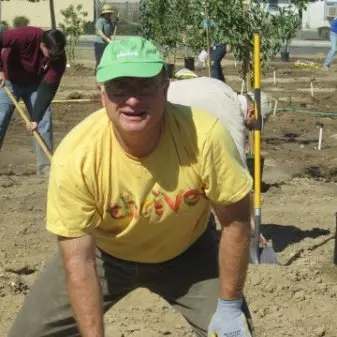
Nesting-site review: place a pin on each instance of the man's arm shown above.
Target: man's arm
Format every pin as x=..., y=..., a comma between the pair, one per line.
x=83, y=284
x=100, y=33
x=48, y=88
x=234, y=247
x=45, y=94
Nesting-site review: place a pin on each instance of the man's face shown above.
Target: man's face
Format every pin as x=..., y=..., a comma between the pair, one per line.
x=108, y=16
x=135, y=105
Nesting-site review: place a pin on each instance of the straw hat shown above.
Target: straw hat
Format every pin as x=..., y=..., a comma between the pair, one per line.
x=107, y=9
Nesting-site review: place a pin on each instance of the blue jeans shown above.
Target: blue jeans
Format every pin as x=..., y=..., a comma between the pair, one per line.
x=99, y=50
x=331, y=54
x=217, y=54
x=28, y=95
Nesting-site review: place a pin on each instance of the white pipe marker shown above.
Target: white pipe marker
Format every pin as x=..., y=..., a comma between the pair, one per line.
x=320, y=136
x=242, y=87
x=274, y=75
x=275, y=106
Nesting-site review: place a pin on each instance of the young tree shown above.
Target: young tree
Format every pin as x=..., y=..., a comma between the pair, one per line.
x=52, y=14
x=231, y=23
x=73, y=26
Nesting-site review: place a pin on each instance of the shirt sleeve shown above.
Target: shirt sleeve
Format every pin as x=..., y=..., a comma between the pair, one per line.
x=99, y=24
x=224, y=176
x=45, y=94
x=71, y=209
x=55, y=71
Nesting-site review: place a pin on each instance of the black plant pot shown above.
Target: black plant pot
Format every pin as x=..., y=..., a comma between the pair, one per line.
x=285, y=56
x=189, y=63
x=250, y=159
x=170, y=70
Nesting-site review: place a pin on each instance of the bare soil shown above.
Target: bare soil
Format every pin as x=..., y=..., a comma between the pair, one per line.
x=295, y=298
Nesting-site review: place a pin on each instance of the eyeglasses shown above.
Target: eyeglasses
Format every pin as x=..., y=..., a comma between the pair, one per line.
x=141, y=89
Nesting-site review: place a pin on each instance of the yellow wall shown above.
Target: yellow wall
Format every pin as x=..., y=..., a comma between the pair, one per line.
x=38, y=13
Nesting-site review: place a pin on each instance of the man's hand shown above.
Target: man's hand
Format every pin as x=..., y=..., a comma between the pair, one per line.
x=2, y=78
x=31, y=127
x=229, y=320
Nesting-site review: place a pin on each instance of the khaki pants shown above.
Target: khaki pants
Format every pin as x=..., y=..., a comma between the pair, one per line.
x=189, y=283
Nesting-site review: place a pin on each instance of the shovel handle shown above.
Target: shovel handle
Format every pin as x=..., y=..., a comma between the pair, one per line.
x=115, y=28
x=27, y=121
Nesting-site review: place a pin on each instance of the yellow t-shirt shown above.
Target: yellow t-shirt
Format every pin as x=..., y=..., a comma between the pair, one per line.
x=148, y=210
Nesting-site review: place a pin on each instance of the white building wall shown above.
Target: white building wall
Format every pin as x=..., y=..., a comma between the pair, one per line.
x=39, y=13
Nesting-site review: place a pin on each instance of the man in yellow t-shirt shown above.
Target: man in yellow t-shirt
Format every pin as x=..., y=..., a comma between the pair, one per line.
x=130, y=193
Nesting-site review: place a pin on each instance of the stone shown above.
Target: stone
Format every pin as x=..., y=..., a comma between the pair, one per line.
x=319, y=332
x=299, y=295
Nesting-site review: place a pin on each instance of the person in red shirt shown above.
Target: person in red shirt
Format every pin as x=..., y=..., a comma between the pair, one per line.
x=32, y=64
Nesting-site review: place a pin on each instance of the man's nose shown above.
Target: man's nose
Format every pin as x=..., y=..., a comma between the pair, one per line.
x=132, y=100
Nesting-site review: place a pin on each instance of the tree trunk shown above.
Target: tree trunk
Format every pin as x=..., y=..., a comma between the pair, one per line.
x=96, y=10
x=52, y=14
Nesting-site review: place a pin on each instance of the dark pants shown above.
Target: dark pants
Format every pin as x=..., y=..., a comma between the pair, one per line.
x=99, y=50
x=189, y=283
x=217, y=54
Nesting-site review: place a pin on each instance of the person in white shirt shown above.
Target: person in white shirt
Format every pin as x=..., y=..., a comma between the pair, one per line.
x=235, y=111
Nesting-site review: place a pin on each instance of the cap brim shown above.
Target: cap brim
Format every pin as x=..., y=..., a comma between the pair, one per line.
x=110, y=72
x=106, y=12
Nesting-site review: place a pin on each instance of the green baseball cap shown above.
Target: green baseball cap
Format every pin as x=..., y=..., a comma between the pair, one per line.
x=130, y=57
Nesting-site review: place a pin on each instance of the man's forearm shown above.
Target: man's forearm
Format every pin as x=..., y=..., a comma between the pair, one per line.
x=233, y=259
x=86, y=298
x=103, y=36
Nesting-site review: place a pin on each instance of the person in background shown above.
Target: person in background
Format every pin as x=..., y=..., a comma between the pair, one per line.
x=236, y=112
x=218, y=50
x=3, y=26
x=333, y=42
x=32, y=64
x=105, y=27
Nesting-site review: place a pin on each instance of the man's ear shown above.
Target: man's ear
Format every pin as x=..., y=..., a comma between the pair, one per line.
x=101, y=92
x=251, y=113
x=166, y=86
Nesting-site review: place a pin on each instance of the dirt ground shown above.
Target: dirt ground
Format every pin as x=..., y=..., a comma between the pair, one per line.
x=295, y=298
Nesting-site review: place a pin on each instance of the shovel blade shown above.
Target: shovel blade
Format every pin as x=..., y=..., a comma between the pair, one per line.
x=268, y=256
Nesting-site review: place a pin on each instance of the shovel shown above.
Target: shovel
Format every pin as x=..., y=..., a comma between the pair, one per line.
x=27, y=121
x=266, y=253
